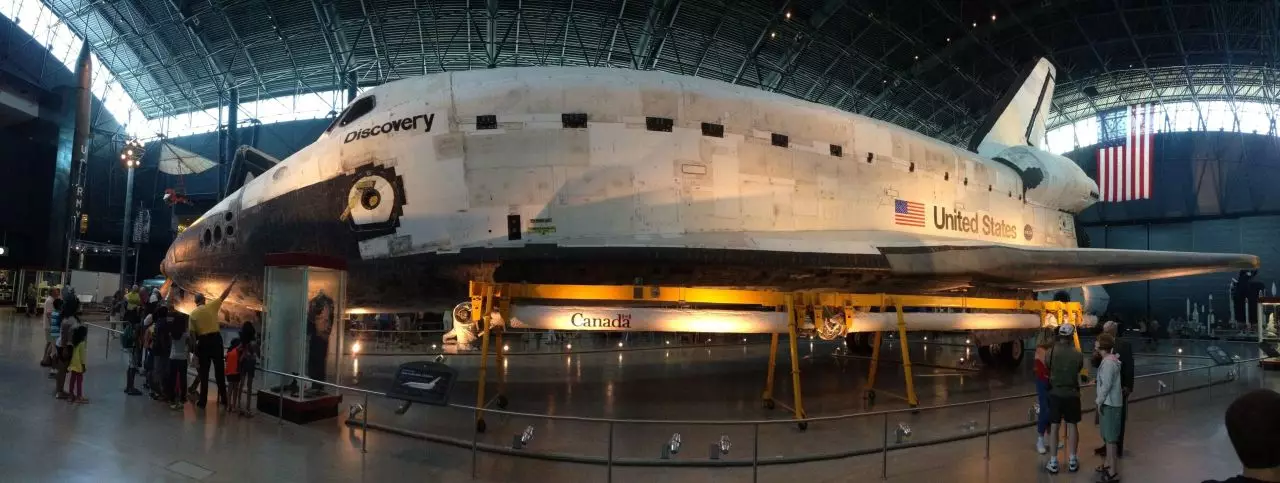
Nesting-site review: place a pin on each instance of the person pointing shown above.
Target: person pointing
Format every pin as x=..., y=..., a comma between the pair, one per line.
x=204, y=326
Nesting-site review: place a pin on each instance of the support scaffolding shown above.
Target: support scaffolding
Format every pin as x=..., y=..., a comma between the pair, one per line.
x=489, y=299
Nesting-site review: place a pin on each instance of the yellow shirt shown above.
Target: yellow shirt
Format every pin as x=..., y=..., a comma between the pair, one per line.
x=77, y=359
x=204, y=319
x=133, y=299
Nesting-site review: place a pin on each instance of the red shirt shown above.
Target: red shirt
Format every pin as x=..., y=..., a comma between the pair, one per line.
x=233, y=361
x=1042, y=371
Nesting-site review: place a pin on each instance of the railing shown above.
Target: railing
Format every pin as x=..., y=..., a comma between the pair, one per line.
x=891, y=438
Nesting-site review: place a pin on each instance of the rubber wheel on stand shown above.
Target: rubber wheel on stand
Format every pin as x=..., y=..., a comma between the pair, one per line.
x=501, y=401
x=768, y=404
x=480, y=426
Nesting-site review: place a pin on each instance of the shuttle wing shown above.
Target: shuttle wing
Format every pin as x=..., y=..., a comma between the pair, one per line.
x=1051, y=268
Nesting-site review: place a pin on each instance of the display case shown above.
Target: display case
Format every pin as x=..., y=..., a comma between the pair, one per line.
x=8, y=287
x=301, y=308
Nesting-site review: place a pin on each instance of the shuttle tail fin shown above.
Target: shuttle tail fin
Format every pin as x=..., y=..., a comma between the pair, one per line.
x=1019, y=118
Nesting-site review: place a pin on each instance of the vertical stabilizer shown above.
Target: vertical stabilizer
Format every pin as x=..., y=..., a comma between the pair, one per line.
x=1018, y=119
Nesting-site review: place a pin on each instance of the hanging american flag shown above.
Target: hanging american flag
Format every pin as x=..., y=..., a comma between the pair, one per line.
x=1124, y=171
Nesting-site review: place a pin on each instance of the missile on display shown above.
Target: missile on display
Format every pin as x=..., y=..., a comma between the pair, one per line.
x=575, y=175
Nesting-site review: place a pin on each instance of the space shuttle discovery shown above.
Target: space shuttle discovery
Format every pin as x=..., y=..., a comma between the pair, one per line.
x=609, y=176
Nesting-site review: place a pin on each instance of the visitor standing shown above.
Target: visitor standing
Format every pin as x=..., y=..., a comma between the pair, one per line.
x=1109, y=401
x=1124, y=350
x=205, y=328
x=1043, y=343
x=1065, y=364
x=76, y=366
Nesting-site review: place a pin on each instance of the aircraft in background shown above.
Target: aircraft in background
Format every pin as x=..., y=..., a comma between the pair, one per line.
x=578, y=175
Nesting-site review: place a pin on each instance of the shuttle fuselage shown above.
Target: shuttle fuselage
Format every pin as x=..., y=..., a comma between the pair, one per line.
x=584, y=176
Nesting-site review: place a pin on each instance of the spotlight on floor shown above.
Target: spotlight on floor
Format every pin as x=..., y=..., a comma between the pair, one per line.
x=355, y=348
x=519, y=441
x=671, y=447
x=719, y=448
x=506, y=348
x=903, y=433
x=404, y=408
x=568, y=346
x=619, y=344
x=354, y=411
x=1162, y=387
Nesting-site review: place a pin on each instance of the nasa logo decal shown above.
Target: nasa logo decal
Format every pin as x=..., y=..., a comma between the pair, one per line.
x=1027, y=232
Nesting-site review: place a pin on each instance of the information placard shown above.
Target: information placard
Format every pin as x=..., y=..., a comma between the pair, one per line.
x=423, y=382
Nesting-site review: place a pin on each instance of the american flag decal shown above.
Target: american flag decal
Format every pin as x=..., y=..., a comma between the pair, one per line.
x=1124, y=172
x=908, y=213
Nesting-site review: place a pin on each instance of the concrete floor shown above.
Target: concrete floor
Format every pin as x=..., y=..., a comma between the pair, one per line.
x=122, y=438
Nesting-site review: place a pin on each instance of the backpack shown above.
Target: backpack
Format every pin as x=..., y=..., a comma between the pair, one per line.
x=129, y=338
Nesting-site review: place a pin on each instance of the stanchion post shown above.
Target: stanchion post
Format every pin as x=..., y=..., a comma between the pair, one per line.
x=755, y=454
x=884, y=449
x=364, y=437
x=279, y=401
x=610, y=452
x=475, y=434
x=988, y=457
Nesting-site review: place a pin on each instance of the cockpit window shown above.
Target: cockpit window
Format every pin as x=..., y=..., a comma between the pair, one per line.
x=354, y=111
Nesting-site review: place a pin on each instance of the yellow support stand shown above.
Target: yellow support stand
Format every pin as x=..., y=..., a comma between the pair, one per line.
x=480, y=306
x=483, y=295
x=795, y=318
x=504, y=311
x=875, y=364
x=773, y=363
x=906, y=359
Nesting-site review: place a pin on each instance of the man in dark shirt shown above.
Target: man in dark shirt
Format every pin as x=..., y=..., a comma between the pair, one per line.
x=1253, y=424
x=1125, y=351
x=1065, y=364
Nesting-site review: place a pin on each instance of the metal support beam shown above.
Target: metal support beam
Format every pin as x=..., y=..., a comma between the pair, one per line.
x=353, y=86
x=326, y=32
x=1142, y=59
x=715, y=33
x=755, y=48
x=1177, y=39
x=381, y=54
x=1224, y=43
x=773, y=81
x=191, y=21
x=491, y=46
x=233, y=139
x=652, y=55
x=617, y=25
